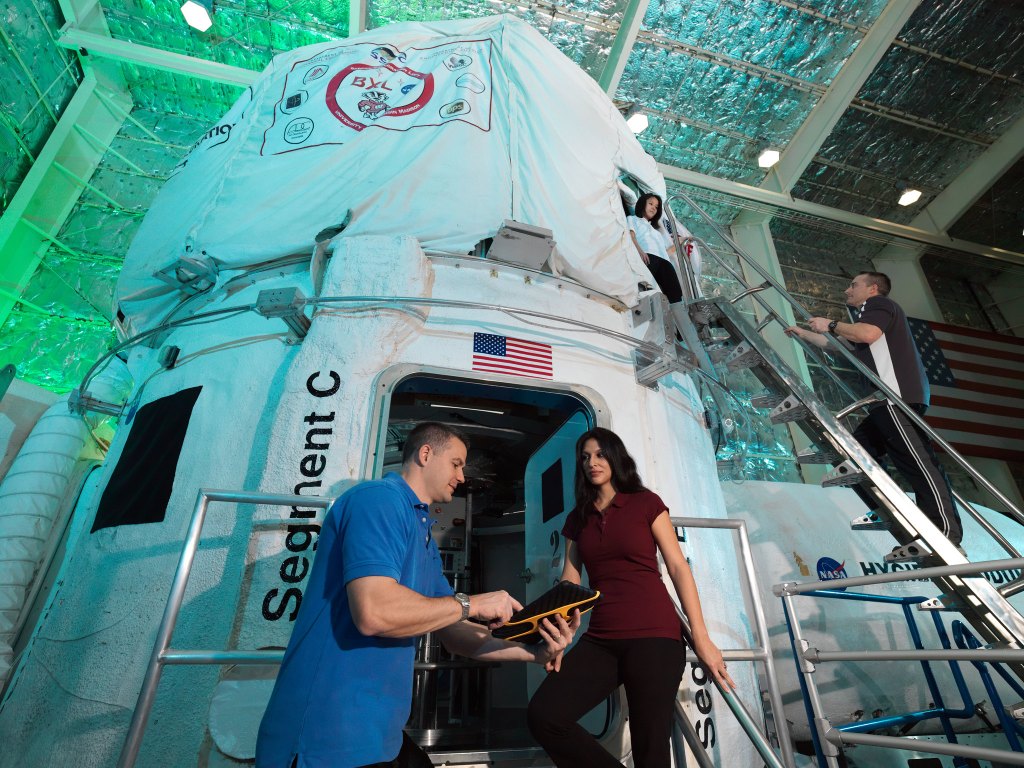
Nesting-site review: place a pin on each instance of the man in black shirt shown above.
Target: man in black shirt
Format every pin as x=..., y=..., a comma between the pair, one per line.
x=881, y=339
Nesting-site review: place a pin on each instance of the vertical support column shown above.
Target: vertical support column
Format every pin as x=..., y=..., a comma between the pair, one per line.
x=910, y=287
x=1008, y=293
x=755, y=238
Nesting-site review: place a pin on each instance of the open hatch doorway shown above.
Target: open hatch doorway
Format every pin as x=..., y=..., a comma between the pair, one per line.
x=500, y=531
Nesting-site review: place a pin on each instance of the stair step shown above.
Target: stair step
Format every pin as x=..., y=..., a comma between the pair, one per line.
x=817, y=455
x=940, y=603
x=704, y=312
x=869, y=522
x=767, y=400
x=719, y=352
x=843, y=474
x=913, y=552
x=790, y=409
x=718, y=334
x=743, y=356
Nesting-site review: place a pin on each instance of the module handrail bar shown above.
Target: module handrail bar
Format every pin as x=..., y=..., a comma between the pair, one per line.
x=750, y=585
x=965, y=569
x=161, y=647
x=994, y=756
x=991, y=655
x=834, y=343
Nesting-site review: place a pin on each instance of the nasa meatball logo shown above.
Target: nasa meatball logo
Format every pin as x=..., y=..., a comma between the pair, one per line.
x=364, y=94
x=829, y=570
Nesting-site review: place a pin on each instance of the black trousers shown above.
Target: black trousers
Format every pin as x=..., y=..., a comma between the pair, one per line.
x=650, y=670
x=666, y=278
x=887, y=431
x=411, y=756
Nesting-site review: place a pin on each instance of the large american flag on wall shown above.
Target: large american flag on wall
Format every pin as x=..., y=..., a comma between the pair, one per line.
x=977, y=386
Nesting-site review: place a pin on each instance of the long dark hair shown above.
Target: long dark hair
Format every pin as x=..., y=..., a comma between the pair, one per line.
x=641, y=206
x=625, y=478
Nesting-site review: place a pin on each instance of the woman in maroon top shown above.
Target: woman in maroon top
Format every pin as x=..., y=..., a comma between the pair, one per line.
x=635, y=636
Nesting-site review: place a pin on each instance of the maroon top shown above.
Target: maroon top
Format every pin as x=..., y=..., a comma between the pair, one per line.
x=621, y=557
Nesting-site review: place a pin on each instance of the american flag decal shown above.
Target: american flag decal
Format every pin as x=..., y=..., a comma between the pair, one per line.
x=977, y=383
x=517, y=357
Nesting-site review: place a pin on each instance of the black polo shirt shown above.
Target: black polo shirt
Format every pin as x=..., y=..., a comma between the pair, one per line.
x=893, y=357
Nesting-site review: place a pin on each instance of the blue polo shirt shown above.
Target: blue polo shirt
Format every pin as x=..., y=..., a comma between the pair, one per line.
x=341, y=699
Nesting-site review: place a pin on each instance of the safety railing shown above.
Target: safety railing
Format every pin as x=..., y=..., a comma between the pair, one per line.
x=759, y=654
x=772, y=315
x=163, y=654
x=828, y=739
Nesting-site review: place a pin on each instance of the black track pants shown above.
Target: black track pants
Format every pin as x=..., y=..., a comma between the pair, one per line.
x=650, y=670
x=887, y=431
x=665, y=276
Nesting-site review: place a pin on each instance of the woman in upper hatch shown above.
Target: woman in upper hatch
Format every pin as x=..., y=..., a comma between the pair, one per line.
x=635, y=635
x=654, y=245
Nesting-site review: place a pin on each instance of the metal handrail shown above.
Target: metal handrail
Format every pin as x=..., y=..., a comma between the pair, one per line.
x=915, y=574
x=827, y=738
x=162, y=652
x=763, y=653
x=815, y=353
x=1012, y=510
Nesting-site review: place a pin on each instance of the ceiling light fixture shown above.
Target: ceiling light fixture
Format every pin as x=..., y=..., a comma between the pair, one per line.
x=465, y=408
x=908, y=195
x=638, y=123
x=198, y=13
x=768, y=157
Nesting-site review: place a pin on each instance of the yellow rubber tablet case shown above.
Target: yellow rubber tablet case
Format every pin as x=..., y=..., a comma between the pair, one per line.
x=563, y=598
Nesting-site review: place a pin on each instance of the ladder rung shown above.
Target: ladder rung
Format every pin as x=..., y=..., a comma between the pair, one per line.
x=790, y=409
x=843, y=474
x=743, y=356
x=869, y=522
x=818, y=456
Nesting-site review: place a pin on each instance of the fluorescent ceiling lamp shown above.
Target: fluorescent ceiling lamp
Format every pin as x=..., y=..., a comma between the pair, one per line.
x=909, y=196
x=768, y=158
x=638, y=123
x=465, y=408
x=198, y=13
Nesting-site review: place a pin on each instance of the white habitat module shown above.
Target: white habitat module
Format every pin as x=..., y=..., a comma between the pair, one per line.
x=403, y=148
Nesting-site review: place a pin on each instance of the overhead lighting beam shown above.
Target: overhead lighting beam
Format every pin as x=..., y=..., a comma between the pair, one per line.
x=356, y=17
x=144, y=56
x=622, y=46
x=839, y=95
x=880, y=226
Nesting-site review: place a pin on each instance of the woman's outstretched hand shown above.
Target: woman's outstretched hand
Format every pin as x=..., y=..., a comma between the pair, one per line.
x=558, y=635
x=712, y=660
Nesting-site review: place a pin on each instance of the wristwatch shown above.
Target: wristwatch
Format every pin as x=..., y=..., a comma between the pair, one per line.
x=463, y=600
x=832, y=326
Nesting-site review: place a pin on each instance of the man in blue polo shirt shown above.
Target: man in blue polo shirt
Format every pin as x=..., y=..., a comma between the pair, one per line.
x=344, y=690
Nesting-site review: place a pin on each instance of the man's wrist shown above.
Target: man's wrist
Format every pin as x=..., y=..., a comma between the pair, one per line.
x=832, y=326
x=464, y=603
